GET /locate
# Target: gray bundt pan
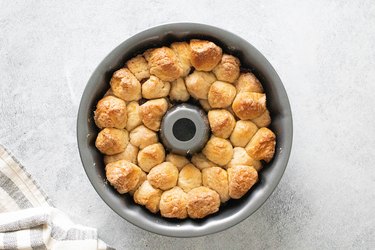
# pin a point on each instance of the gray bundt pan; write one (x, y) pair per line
(235, 210)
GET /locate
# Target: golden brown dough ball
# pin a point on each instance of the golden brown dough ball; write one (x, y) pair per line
(201, 162)
(178, 91)
(178, 160)
(198, 84)
(139, 67)
(205, 55)
(241, 157)
(164, 63)
(249, 105)
(142, 137)
(218, 150)
(242, 133)
(183, 51)
(163, 176)
(216, 178)
(221, 122)
(202, 201)
(263, 120)
(155, 88)
(125, 85)
(123, 175)
(221, 94)
(111, 141)
(134, 118)
(151, 156)
(205, 105)
(142, 179)
(130, 155)
(110, 113)
(262, 145)
(152, 112)
(241, 178)
(190, 177)
(173, 203)
(228, 70)
(247, 82)
(148, 196)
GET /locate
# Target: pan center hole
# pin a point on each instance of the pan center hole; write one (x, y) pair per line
(184, 129)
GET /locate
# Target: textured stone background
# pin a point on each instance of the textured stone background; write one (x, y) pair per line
(324, 51)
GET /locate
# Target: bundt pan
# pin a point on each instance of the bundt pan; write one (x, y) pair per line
(235, 210)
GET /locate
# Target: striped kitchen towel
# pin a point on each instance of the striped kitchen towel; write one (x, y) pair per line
(27, 218)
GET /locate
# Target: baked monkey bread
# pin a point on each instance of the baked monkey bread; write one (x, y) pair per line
(130, 117)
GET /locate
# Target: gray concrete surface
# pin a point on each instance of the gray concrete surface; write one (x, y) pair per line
(324, 51)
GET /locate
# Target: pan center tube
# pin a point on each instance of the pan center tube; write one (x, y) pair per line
(184, 129)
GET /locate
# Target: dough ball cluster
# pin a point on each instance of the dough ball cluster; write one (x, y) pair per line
(130, 114)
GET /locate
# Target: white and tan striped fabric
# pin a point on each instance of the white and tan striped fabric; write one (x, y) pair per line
(27, 218)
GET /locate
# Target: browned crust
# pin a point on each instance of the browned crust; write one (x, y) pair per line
(183, 51)
(221, 122)
(218, 150)
(202, 201)
(155, 88)
(242, 133)
(262, 145)
(247, 82)
(221, 94)
(173, 203)
(198, 84)
(163, 176)
(111, 141)
(205, 55)
(148, 196)
(151, 156)
(241, 179)
(152, 111)
(125, 85)
(228, 70)
(164, 63)
(110, 113)
(139, 67)
(123, 175)
(249, 105)
(142, 136)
